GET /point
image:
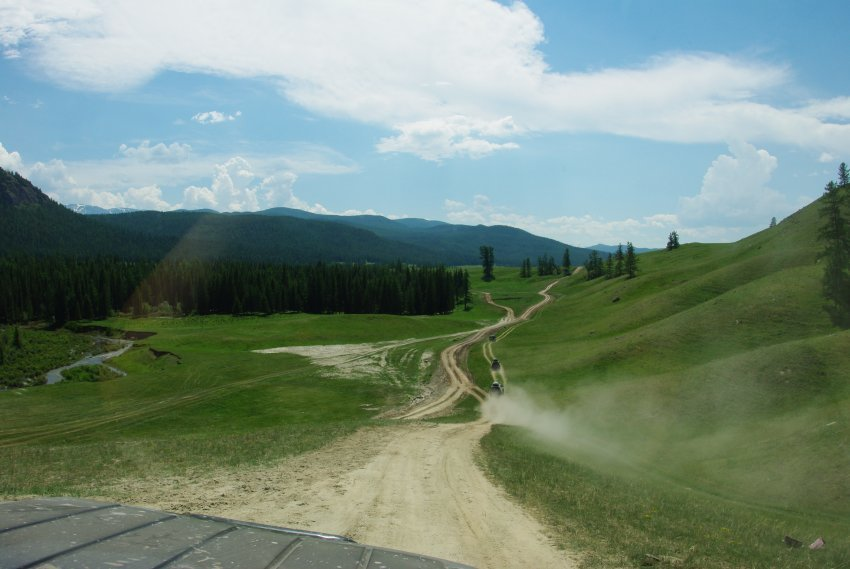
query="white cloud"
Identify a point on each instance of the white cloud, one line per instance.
(164, 176)
(52, 176)
(195, 197)
(214, 117)
(438, 139)
(826, 157)
(576, 230)
(837, 108)
(160, 152)
(237, 186)
(148, 197)
(735, 187)
(480, 212)
(10, 160)
(408, 67)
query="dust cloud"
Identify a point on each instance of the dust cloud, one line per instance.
(568, 429)
(711, 442)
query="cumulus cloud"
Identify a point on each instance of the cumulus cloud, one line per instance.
(135, 178)
(237, 186)
(148, 197)
(10, 160)
(735, 187)
(409, 68)
(160, 152)
(214, 117)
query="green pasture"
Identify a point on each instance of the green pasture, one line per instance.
(196, 395)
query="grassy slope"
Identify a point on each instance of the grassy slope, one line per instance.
(703, 414)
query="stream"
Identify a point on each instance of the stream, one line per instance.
(55, 375)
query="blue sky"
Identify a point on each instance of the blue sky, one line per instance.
(588, 122)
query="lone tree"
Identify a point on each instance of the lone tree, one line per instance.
(487, 262)
(565, 261)
(836, 238)
(672, 241)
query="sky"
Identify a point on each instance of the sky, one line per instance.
(588, 122)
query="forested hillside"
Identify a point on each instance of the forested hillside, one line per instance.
(57, 266)
(449, 241)
(33, 224)
(204, 235)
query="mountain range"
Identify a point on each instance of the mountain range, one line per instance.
(35, 224)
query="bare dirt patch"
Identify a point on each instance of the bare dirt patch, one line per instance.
(411, 486)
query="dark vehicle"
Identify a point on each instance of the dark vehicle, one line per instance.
(496, 388)
(75, 533)
(495, 365)
(492, 337)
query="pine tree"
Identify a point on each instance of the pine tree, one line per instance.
(565, 261)
(631, 261)
(487, 261)
(672, 241)
(620, 261)
(843, 175)
(594, 265)
(836, 237)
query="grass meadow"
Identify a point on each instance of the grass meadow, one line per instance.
(197, 395)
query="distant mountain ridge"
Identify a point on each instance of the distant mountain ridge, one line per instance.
(32, 223)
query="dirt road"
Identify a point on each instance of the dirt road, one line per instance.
(411, 486)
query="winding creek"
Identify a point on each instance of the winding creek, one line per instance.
(55, 375)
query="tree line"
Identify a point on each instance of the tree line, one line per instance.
(63, 289)
(835, 235)
(546, 265)
(614, 265)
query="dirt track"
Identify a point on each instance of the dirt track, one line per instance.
(411, 486)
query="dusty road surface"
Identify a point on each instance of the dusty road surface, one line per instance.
(410, 485)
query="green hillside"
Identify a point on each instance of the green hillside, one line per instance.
(712, 391)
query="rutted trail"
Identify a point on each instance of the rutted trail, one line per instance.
(451, 361)
(409, 485)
